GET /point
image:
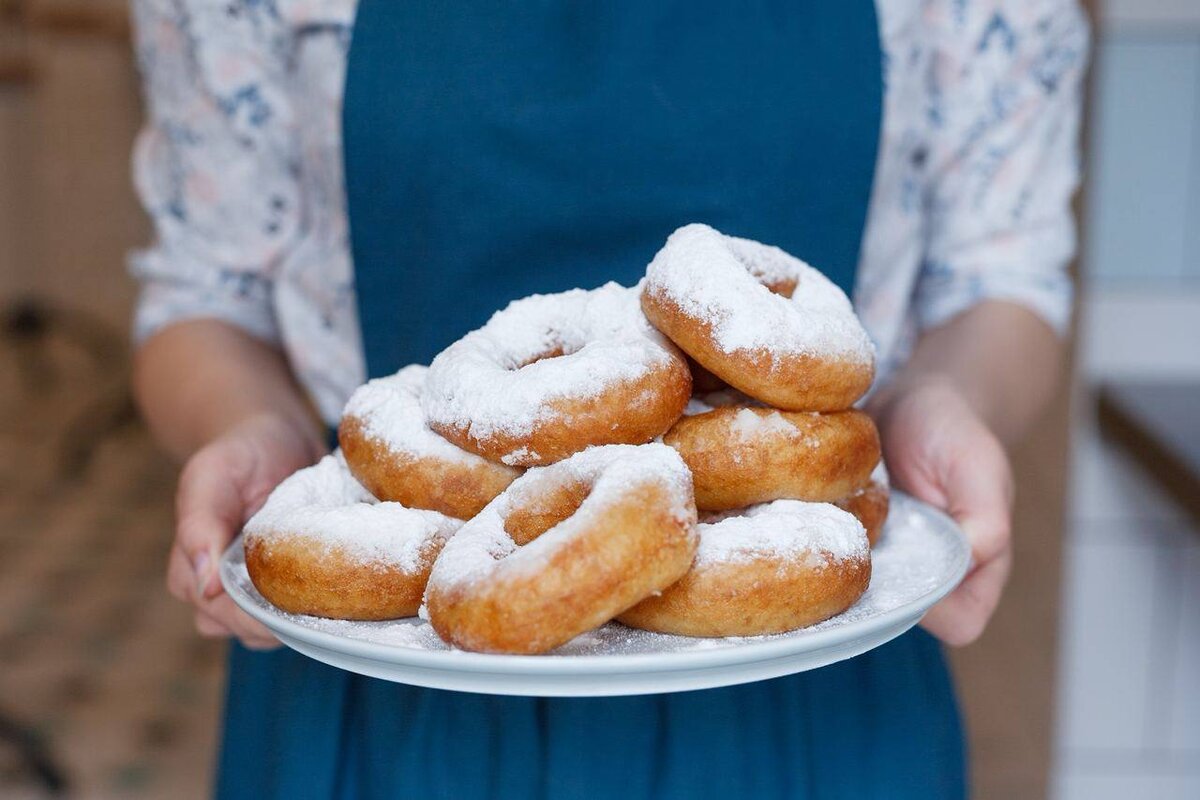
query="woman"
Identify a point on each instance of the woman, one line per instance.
(490, 152)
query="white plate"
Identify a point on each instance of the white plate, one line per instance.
(921, 557)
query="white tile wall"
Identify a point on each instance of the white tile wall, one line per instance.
(1129, 672)
(1109, 603)
(1136, 331)
(1129, 669)
(1110, 496)
(1134, 14)
(1184, 719)
(1069, 785)
(1142, 156)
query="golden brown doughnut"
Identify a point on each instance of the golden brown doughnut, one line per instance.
(771, 568)
(564, 549)
(870, 506)
(396, 456)
(741, 455)
(553, 374)
(761, 320)
(322, 545)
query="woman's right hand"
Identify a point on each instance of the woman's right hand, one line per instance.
(221, 486)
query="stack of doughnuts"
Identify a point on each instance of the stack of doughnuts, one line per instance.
(781, 462)
(681, 456)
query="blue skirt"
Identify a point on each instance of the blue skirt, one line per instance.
(884, 724)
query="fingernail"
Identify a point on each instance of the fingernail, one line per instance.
(200, 565)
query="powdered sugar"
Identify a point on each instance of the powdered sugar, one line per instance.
(714, 278)
(816, 533)
(748, 424)
(708, 401)
(390, 410)
(491, 382)
(880, 474)
(325, 504)
(611, 471)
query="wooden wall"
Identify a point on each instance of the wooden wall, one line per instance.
(69, 109)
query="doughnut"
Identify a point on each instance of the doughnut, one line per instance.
(870, 504)
(395, 455)
(322, 545)
(740, 455)
(703, 381)
(551, 375)
(768, 569)
(759, 319)
(565, 549)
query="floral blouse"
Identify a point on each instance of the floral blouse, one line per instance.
(240, 167)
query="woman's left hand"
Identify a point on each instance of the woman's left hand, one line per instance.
(938, 449)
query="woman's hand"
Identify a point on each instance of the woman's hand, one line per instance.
(221, 486)
(938, 449)
(227, 405)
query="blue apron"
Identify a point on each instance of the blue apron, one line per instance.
(498, 149)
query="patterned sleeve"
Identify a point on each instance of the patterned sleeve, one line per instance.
(214, 163)
(1004, 90)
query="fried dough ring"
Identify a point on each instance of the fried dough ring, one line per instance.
(396, 456)
(759, 319)
(322, 545)
(564, 549)
(742, 455)
(769, 569)
(551, 375)
(869, 505)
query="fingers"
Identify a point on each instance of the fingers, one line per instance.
(210, 508)
(181, 580)
(978, 491)
(209, 511)
(248, 630)
(961, 618)
(208, 627)
(221, 618)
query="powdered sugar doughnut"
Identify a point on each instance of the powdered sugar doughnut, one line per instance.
(870, 504)
(564, 549)
(322, 545)
(742, 454)
(768, 569)
(552, 374)
(393, 453)
(760, 319)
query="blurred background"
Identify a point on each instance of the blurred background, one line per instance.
(1085, 686)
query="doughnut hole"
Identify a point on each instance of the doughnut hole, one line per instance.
(544, 510)
(608, 378)
(558, 351)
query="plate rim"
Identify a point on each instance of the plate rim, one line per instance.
(598, 664)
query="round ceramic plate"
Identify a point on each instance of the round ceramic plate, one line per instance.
(920, 558)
